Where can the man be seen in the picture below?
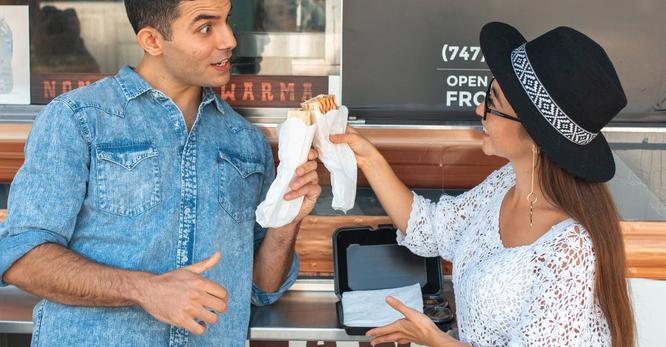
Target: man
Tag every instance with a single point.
(130, 187)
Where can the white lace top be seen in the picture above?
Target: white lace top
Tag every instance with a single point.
(540, 294)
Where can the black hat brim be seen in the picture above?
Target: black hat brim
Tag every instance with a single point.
(591, 162)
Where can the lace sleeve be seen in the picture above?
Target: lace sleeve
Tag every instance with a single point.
(434, 229)
(562, 309)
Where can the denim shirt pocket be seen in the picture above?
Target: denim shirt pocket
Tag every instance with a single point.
(128, 178)
(239, 188)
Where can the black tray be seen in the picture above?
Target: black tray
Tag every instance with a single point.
(369, 259)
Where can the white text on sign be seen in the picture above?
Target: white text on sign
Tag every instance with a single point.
(465, 98)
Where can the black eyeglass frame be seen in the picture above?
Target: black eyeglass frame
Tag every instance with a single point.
(487, 108)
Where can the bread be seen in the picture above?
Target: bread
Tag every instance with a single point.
(303, 115)
(322, 103)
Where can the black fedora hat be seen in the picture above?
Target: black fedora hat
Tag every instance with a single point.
(564, 89)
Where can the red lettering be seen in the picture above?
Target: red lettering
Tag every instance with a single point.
(80, 84)
(266, 92)
(247, 92)
(66, 86)
(49, 89)
(287, 88)
(229, 94)
(307, 91)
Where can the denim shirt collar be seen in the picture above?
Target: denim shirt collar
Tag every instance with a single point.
(133, 85)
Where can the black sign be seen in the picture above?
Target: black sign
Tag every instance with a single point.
(421, 58)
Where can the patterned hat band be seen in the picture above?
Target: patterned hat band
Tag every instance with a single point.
(543, 102)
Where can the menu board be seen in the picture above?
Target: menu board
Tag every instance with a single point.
(421, 60)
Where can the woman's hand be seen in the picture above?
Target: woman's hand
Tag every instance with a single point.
(364, 150)
(415, 327)
(393, 195)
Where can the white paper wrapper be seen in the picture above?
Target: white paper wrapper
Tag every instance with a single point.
(368, 308)
(294, 143)
(339, 159)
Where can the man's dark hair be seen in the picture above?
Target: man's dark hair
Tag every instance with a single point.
(158, 14)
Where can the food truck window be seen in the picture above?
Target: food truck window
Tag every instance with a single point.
(287, 49)
(420, 62)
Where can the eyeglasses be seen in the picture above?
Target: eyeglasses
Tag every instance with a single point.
(496, 113)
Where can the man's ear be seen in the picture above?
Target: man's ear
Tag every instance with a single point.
(151, 40)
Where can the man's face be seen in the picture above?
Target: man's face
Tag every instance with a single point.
(199, 53)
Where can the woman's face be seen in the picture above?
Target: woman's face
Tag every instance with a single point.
(502, 137)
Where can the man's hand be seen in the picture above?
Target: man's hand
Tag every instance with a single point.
(184, 298)
(305, 184)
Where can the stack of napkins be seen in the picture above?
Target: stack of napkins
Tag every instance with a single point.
(368, 308)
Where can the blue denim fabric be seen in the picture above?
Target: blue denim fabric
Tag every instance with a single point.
(111, 173)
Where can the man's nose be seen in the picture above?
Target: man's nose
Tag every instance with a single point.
(226, 40)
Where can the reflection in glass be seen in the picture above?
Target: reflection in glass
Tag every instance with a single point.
(81, 37)
(56, 42)
(291, 15)
(278, 37)
(639, 185)
(287, 37)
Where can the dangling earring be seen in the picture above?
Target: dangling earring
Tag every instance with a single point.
(531, 197)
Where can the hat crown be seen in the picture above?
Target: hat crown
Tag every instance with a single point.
(578, 76)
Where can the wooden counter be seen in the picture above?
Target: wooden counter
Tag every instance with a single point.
(12, 140)
(422, 158)
(645, 244)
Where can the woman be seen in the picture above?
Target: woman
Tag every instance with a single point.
(537, 253)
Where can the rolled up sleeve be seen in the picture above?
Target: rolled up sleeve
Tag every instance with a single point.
(261, 298)
(48, 190)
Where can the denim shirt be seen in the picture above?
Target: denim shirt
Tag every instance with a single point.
(112, 173)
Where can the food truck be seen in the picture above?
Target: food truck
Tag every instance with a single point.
(410, 74)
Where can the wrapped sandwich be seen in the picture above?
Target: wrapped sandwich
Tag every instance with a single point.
(295, 137)
(339, 159)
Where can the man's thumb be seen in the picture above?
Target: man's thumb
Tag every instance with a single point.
(205, 264)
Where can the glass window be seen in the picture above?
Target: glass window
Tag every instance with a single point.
(287, 37)
(286, 49)
(638, 185)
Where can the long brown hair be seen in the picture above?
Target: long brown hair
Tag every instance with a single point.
(591, 205)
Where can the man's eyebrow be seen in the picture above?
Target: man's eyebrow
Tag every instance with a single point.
(204, 17)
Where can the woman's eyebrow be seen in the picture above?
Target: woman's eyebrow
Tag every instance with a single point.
(493, 91)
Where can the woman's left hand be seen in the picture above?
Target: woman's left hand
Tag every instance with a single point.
(415, 327)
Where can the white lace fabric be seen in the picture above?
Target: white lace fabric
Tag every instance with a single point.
(540, 294)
